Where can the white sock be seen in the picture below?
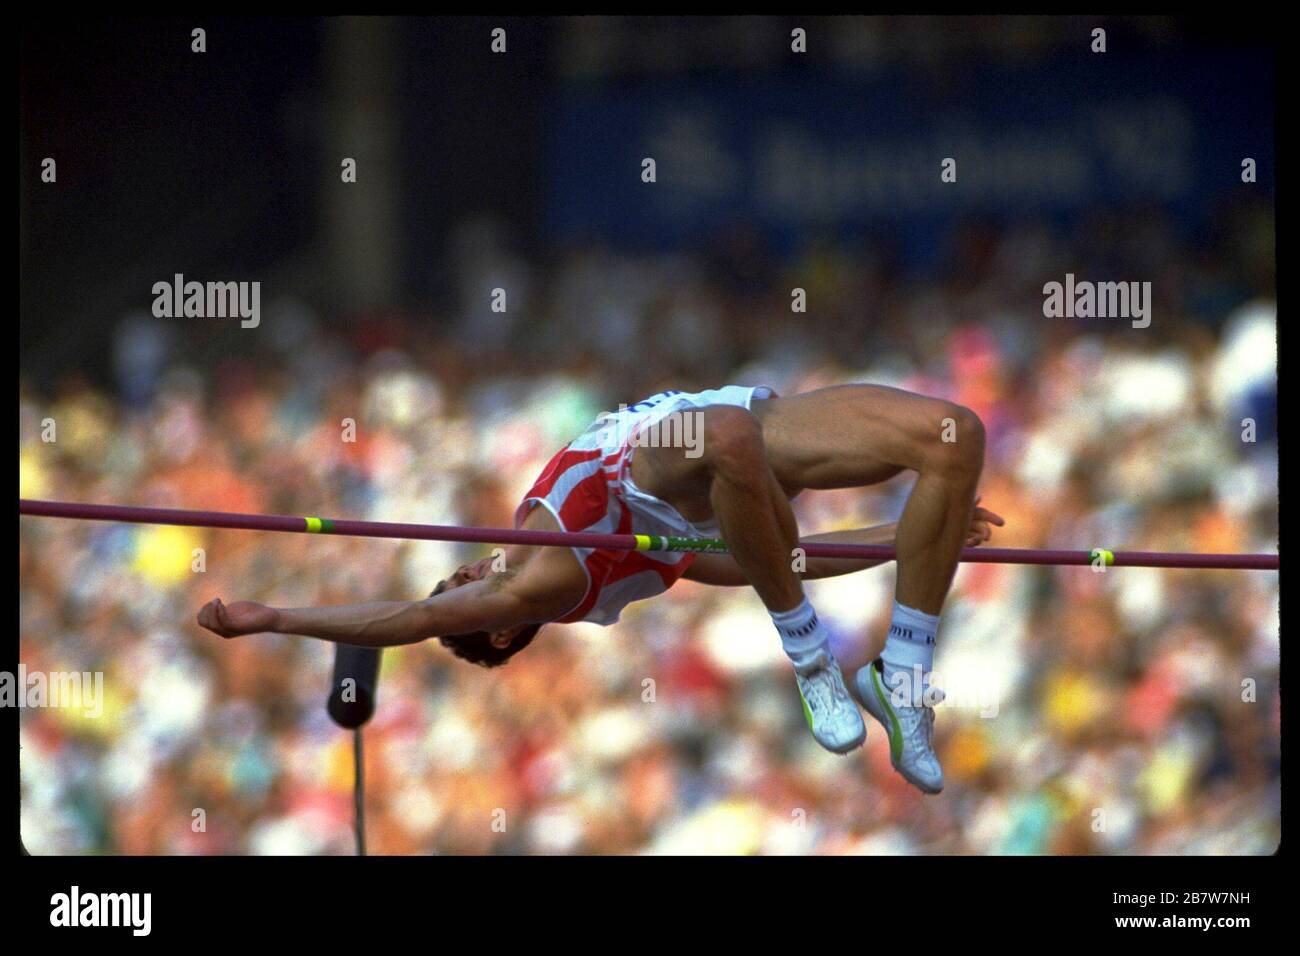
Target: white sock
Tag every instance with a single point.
(802, 635)
(910, 645)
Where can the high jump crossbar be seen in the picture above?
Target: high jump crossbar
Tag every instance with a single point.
(615, 542)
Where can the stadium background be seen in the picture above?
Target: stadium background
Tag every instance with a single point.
(1119, 691)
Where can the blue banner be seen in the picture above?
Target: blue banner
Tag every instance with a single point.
(804, 159)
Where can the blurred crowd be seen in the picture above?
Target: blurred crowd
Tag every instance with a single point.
(1121, 712)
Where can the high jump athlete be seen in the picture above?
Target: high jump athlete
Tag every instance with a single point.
(752, 452)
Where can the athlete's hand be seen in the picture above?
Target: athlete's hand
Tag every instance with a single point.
(234, 620)
(982, 523)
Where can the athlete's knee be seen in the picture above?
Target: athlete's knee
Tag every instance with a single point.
(733, 442)
(958, 446)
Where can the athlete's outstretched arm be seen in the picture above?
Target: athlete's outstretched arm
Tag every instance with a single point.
(720, 569)
(474, 607)
(543, 590)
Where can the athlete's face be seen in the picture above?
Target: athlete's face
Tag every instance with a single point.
(468, 573)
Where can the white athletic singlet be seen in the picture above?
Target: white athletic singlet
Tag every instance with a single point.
(588, 487)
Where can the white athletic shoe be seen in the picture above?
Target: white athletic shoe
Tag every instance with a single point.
(910, 728)
(832, 716)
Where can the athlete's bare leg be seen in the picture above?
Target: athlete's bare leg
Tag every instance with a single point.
(861, 434)
(854, 435)
(732, 481)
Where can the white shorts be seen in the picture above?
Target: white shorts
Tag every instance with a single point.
(652, 515)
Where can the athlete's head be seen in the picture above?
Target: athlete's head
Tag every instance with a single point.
(482, 647)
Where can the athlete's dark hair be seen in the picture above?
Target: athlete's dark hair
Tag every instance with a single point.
(477, 647)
